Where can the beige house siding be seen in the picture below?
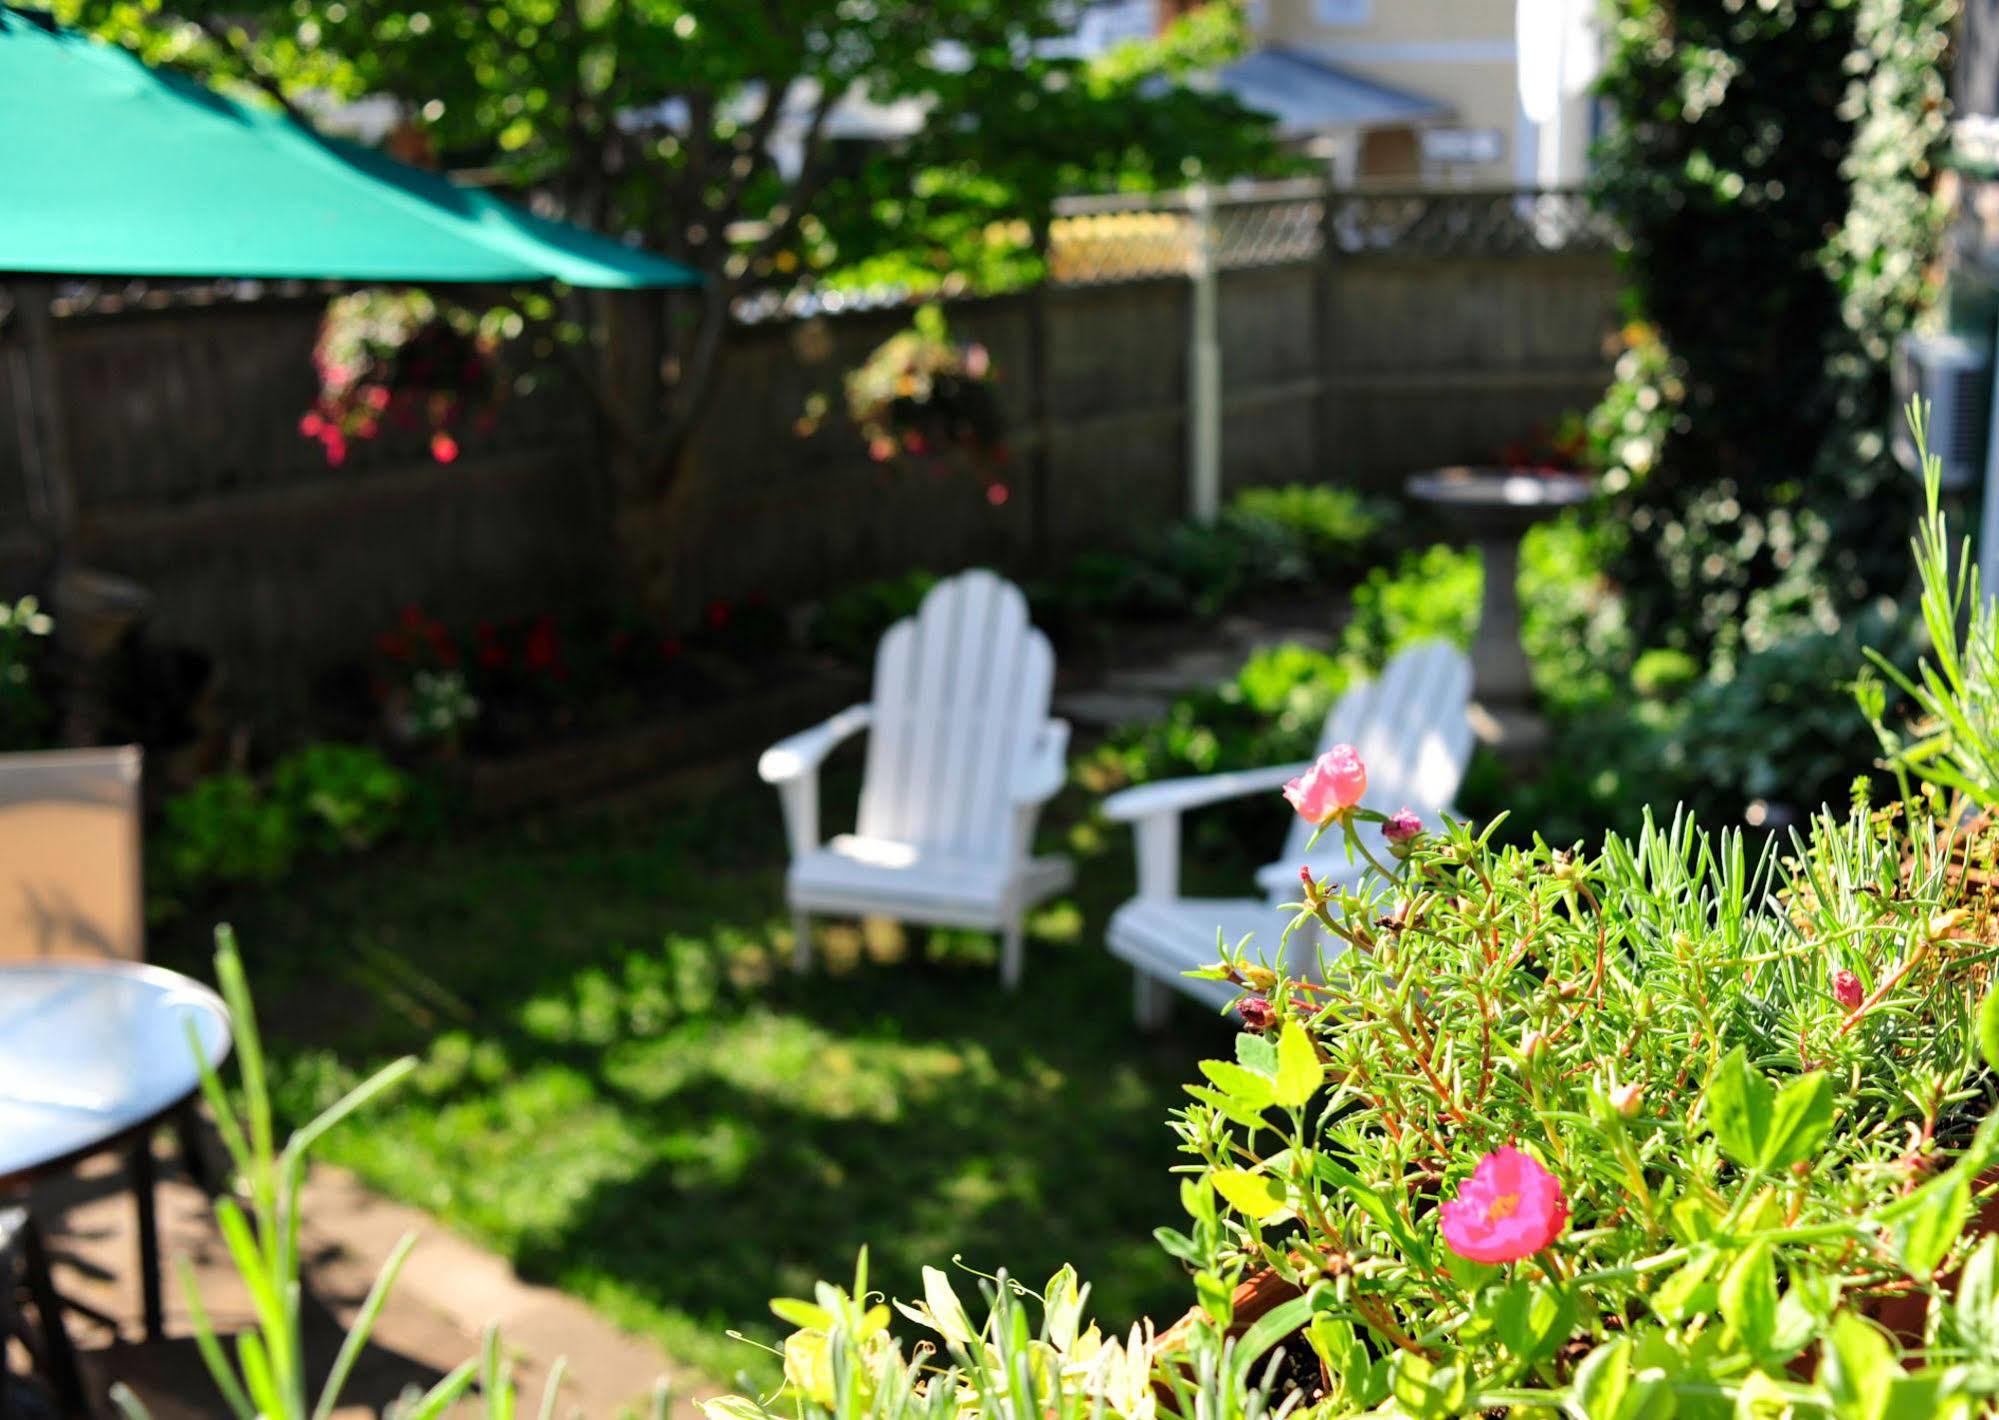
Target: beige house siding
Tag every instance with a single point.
(1460, 52)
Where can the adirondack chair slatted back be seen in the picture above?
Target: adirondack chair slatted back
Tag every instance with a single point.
(1410, 730)
(961, 689)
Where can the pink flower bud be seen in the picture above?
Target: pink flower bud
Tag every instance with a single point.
(1627, 1100)
(1401, 826)
(1257, 1014)
(1330, 788)
(1846, 990)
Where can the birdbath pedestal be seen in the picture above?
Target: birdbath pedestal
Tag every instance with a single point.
(1491, 508)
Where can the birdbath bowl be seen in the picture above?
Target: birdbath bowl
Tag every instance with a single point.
(1491, 508)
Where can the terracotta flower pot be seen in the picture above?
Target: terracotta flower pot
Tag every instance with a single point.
(1260, 1293)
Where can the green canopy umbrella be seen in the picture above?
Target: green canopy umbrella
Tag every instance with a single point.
(114, 168)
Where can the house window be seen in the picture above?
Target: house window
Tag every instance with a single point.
(1343, 12)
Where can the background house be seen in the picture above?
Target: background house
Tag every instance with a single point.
(1444, 93)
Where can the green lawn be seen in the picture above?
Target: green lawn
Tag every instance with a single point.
(625, 1091)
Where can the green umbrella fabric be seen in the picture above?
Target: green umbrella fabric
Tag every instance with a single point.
(113, 168)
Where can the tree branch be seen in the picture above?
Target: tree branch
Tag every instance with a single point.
(811, 177)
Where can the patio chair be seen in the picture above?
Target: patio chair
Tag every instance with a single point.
(962, 754)
(70, 856)
(1414, 736)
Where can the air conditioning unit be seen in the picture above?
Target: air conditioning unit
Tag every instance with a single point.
(1953, 376)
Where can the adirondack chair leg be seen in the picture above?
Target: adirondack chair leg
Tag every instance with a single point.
(1151, 1002)
(801, 945)
(1011, 946)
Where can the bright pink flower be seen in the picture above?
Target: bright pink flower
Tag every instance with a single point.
(1846, 990)
(443, 447)
(1402, 826)
(1332, 786)
(1508, 1209)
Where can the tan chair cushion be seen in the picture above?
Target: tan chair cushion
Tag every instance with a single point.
(71, 881)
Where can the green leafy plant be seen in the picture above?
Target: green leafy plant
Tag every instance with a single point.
(233, 829)
(1034, 1356)
(345, 798)
(224, 830)
(1663, 1128)
(1336, 529)
(1745, 1097)
(1770, 168)
(1954, 742)
(849, 623)
(260, 1225)
(25, 713)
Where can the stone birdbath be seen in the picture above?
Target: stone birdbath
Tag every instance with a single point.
(1491, 508)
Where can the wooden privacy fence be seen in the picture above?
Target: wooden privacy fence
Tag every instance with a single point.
(1358, 337)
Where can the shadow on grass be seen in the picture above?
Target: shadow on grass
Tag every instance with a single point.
(624, 1091)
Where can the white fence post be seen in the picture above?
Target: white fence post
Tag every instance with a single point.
(1204, 366)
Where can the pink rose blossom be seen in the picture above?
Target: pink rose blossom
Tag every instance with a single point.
(1846, 990)
(1509, 1208)
(1402, 826)
(1331, 787)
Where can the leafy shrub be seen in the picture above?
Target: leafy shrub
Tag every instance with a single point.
(223, 832)
(1033, 1356)
(25, 713)
(1663, 674)
(851, 622)
(1659, 1110)
(1770, 168)
(1572, 621)
(1432, 594)
(1268, 540)
(1336, 529)
(344, 798)
(232, 830)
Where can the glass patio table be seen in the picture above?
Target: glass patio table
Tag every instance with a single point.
(93, 1056)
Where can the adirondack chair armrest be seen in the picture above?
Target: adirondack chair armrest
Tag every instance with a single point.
(801, 754)
(1154, 810)
(1046, 767)
(793, 766)
(1177, 796)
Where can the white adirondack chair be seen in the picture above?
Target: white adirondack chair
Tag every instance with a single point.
(963, 754)
(1412, 732)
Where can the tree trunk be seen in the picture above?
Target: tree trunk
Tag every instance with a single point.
(644, 496)
(649, 523)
